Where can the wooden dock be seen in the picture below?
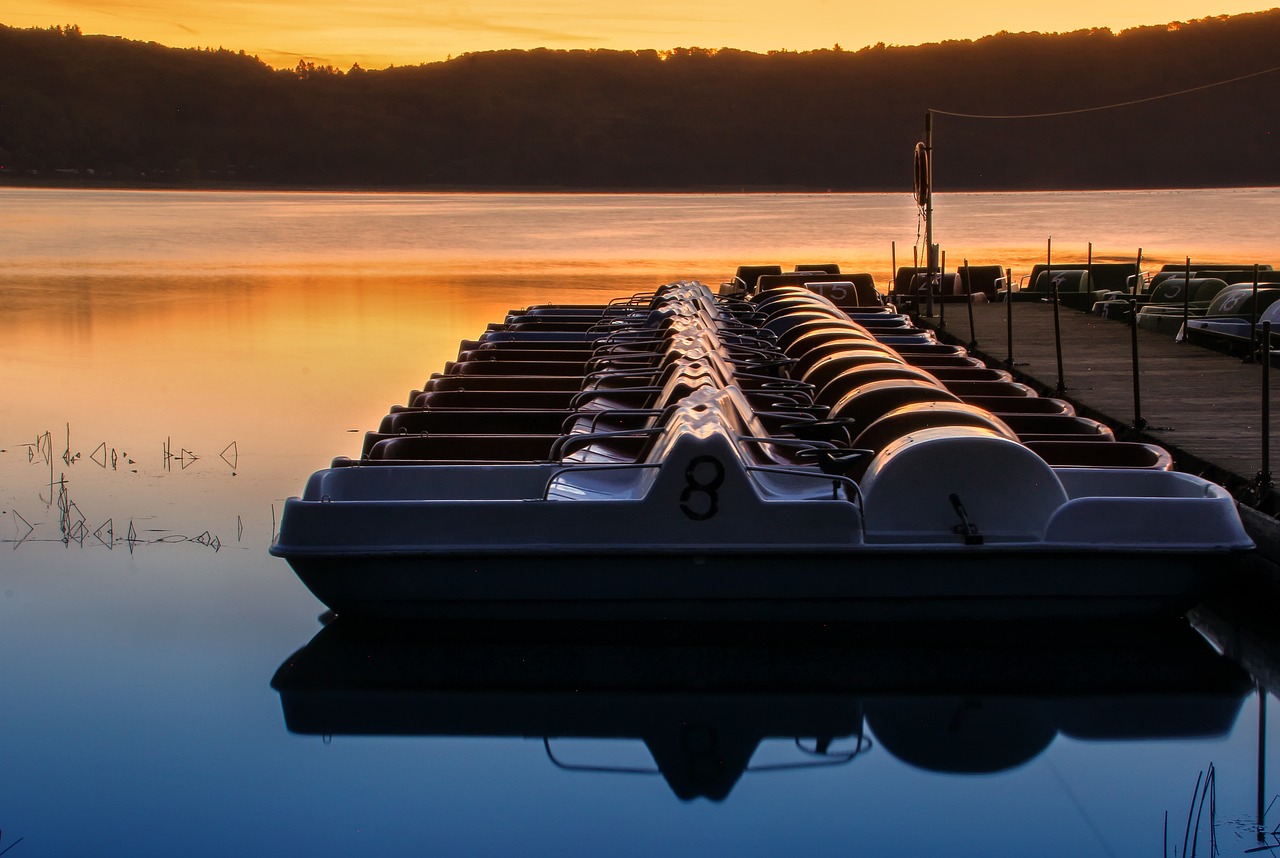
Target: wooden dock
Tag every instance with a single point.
(1203, 406)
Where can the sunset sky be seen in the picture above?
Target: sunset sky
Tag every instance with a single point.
(407, 32)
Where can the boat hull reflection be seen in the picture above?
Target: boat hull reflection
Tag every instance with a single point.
(702, 698)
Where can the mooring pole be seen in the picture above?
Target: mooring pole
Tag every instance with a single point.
(1137, 277)
(1264, 476)
(968, 294)
(893, 268)
(1088, 267)
(1057, 325)
(1138, 423)
(928, 193)
(1253, 317)
(924, 181)
(942, 304)
(1008, 314)
(1186, 301)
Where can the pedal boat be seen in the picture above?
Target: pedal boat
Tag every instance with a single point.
(702, 463)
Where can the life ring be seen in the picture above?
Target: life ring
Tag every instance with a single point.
(922, 174)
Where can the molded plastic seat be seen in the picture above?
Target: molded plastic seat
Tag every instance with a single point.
(824, 371)
(873, 400)
(926, 415)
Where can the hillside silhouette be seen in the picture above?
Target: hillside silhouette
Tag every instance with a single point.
(94, 109)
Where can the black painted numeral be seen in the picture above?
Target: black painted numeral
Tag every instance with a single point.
(700, 499)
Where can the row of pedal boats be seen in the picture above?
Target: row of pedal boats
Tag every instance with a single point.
(795, 451)
(1225, 306)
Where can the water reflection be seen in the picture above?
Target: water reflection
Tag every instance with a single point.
(703, 700)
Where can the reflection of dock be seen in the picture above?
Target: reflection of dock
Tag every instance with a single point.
(702, 705)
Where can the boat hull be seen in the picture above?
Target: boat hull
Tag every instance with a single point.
(785, 585)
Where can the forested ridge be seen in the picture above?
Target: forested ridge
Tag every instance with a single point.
(99, 109)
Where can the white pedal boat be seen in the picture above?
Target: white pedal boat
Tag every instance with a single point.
(691, 480)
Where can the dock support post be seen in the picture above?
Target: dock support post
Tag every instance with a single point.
(968, 294)
(1264, 476)
(1186, 301)
(1253, 320)
(942, 304)
(1057, 324)
(1138, 422)
(915, 273)
(892, 291)
(1088, 268)
(1008, 315)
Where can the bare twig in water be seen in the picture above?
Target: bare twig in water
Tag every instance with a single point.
(109, 528)
(10, 846)
(1186, 835)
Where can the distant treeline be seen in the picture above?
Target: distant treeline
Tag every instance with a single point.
(95, 109)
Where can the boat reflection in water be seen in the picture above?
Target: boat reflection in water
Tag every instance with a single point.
(703, 698)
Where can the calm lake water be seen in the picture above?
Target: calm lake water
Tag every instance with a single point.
(173, 365)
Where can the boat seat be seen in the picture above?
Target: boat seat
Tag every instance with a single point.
(504, 382)
(1021, 404)
(474, 448)
(822, 372)
(517, 367)
(798, 278)
(927, 415)
(818, 330)
(937, 349)
(1120, 454)
(859, 290)
(965, 389)
(482, 421)
(1057, 424)
(873, 400)
(915, 489)
(808, 357)
(471, 400)
(749, 275)
(854, 377)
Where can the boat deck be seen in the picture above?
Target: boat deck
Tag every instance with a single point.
(1203, 406)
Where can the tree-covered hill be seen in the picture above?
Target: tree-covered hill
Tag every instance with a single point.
(96, 108)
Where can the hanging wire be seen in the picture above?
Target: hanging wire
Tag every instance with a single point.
(1118, 104)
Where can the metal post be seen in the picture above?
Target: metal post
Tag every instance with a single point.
(1057, 325)
(893, 268)
(1137, 277)
(928, 196)
(1264, 476)
(1088, 267)
(1138, 422)
(968, 294)
(911, 284)
(1186, 299)
(1008, 314)
(942, 304)
(1253, 320)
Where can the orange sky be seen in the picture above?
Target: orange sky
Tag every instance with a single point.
(406, 32)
